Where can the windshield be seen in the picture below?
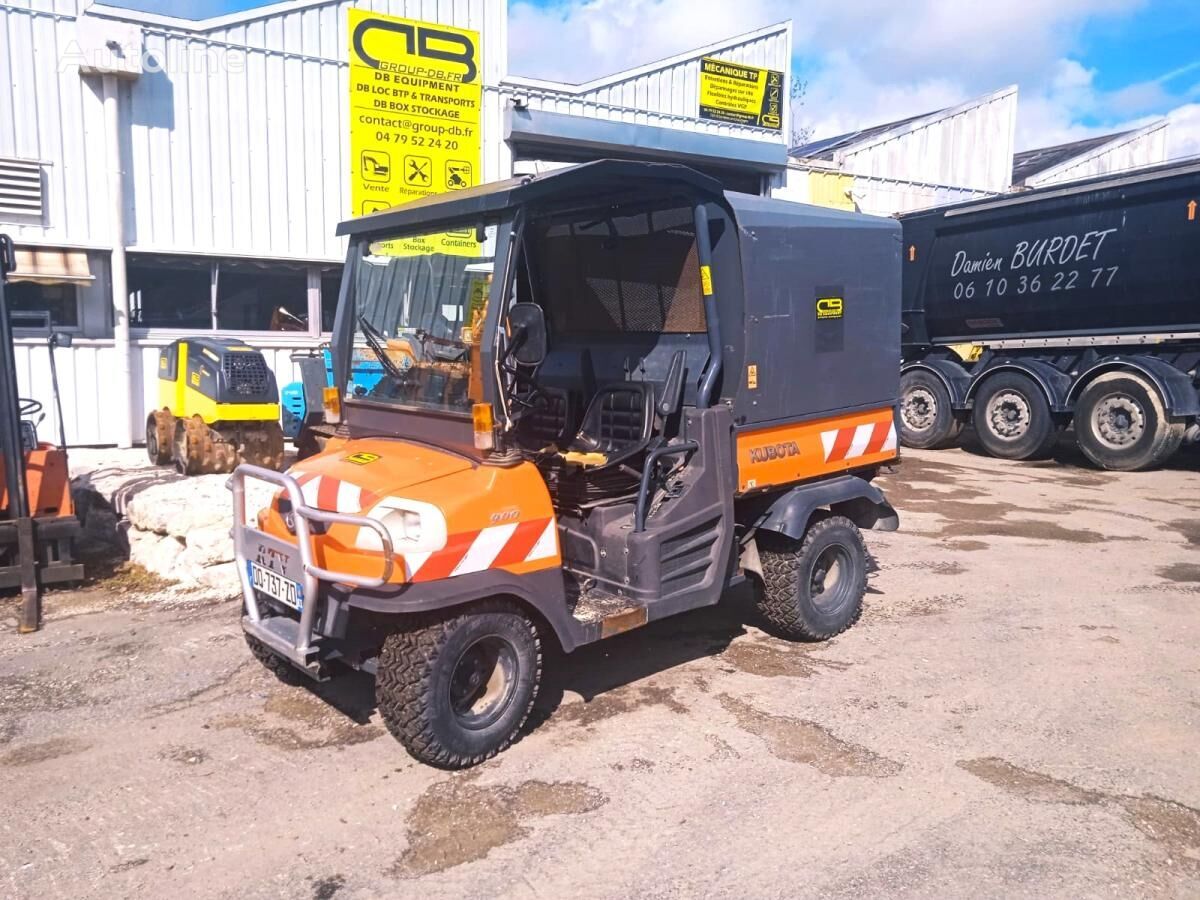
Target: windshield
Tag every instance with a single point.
(418, 306)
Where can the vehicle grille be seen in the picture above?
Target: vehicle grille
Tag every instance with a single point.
(246, 374)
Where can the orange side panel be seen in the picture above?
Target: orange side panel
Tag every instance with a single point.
(783, 454)
(48, 482)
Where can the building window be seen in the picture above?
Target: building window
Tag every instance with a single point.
(253, 296)
(170, 292)
(331, 283)
(29, 302)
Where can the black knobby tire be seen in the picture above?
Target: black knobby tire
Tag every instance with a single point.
(1012, 418)
(924, 417)
(1121, 423)
(159, 455)
(456, 690)
(276, 665)
(796, 599)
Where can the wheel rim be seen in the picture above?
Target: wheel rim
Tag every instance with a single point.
(1119, 421)
(830, 583)
(483, 682)
(919, 409)
(1008, 415)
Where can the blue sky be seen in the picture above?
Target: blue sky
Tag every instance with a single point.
(1083, 66)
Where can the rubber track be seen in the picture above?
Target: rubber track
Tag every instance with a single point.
(780, 558)
(402, 692)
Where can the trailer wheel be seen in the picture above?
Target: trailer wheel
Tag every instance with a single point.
(1122, 424)
(158, 439)
(456, 690)
(813, 588)
(1012, 418)
(925, 417)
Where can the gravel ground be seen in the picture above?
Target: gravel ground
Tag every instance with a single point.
(1017, 713)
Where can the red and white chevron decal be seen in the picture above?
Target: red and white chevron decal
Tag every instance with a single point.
(859, 440)
(493, 547)
(333, 494)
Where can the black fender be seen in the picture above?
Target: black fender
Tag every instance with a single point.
(953, 376)
(847, 495)
(1179, 394)
(1054, 384)
(543, 592)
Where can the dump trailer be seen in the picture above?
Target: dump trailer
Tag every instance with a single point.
(1067, 305)
(610, 393)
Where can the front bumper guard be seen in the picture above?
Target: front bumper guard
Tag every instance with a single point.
(287, 637)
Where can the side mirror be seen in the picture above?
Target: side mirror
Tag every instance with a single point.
(527, 324)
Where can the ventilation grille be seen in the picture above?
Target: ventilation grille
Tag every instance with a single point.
(20, 188)
(247, 374)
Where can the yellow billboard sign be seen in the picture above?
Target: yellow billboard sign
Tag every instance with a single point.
(743, 95)
(416, 100)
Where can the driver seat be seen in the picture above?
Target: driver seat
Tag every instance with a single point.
(618, 423)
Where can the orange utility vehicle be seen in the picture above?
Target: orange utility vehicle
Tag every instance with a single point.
(611, 392)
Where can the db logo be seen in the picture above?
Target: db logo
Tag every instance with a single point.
(829, 308)
(421, 40)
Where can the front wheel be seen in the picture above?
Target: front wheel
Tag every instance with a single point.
(1122, 424)
(158, 438)
(813, 587)
(456, 690)
(1012, 418)
(924, 416)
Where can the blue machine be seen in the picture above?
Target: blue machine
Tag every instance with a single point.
(302, 402)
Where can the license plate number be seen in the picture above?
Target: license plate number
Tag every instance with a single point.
(275, 585)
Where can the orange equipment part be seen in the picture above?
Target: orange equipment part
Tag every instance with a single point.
(48, 481)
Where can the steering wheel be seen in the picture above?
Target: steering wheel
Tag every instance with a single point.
(27, 408)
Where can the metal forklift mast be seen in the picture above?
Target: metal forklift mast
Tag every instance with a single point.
(13, 455)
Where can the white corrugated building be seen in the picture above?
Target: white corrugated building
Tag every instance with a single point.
(1088, 158)
(947, 156)
(217, 171)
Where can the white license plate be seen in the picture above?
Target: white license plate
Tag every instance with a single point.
(275, 585)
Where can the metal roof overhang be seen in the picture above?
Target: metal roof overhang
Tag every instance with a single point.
(532, 131)
(585, 180)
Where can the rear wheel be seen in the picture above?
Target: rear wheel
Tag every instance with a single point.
(455, 691)
(925, 418)
(813, 587)
(1012, 418)
(1121, 423)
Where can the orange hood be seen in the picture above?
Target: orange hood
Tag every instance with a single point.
(351, 476)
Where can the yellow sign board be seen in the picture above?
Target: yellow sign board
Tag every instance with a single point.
(416, 99)
(743, 95)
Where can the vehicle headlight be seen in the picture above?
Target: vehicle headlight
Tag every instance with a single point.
(412, 525)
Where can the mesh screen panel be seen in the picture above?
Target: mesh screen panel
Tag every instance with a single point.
(631, 272)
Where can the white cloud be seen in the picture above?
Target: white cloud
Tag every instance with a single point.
(872, 61)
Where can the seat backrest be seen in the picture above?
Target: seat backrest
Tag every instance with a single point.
(618, 418)
(550, 421)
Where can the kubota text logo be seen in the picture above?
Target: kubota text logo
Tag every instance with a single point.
(774, 451)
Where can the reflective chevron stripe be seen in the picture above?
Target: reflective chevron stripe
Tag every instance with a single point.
(841, 444)
(491, 548)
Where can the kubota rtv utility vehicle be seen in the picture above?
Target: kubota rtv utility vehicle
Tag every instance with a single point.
(610, 393)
